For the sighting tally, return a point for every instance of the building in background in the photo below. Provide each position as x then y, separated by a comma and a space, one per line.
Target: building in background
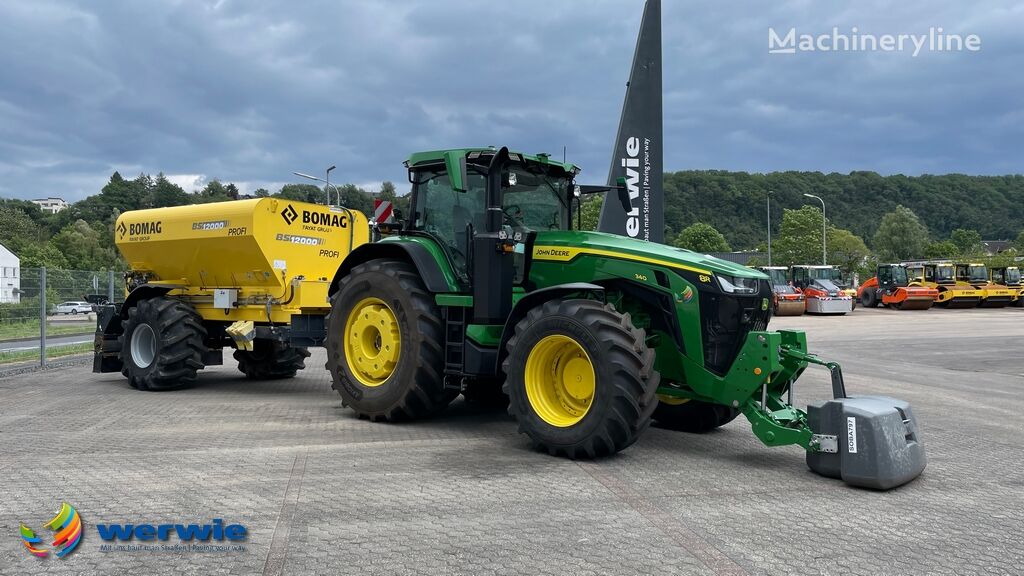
10, 277
995, 247
51, 205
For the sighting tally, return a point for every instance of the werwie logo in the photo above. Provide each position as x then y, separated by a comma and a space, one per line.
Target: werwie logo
68, 526
184, 532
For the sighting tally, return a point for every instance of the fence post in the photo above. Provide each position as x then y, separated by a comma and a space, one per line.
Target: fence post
42, 317
110, 286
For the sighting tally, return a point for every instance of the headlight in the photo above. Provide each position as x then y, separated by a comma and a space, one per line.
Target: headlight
734, 285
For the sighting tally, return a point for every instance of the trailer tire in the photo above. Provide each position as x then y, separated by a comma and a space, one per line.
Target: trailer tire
580, 379
693, 415
162, 344
869, 298
401, 374
270, 360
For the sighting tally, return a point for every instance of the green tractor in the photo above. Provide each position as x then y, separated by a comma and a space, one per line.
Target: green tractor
488, 287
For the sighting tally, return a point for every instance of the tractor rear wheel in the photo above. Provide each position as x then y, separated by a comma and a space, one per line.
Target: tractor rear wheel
692, 415
162, 344
270, 360
580, 379
385, 343
869, 298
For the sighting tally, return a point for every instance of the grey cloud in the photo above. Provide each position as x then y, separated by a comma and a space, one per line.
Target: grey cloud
250, 91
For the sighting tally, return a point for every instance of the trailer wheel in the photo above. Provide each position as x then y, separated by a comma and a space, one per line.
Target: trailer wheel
270, 360
695, 416
162, 344
869, 298
385, 343
580, 379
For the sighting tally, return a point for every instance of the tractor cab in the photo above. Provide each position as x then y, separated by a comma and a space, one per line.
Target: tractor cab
993, 294
974, 274
820, 292
891, 276
786, 300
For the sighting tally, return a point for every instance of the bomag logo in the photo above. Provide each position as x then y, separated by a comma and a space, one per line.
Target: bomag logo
289, 214
322, 219
141, 228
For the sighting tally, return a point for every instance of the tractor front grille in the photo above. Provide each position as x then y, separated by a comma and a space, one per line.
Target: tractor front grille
726, 319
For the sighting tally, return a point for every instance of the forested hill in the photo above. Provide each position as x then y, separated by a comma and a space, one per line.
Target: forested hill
734, 202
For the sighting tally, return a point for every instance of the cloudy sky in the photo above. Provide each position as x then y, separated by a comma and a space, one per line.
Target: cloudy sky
249, 91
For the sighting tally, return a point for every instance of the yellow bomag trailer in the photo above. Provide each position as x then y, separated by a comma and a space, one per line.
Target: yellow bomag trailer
992, 295
224, 274
941, 275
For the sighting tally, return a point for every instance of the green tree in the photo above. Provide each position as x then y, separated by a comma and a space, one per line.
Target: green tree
941, 249
261, 193
42, 255
847, 250
302, 193
165, 193
1020, 241
701, 237
900, 235
85, 248
799, 238
17, 229
591, 211
968, 242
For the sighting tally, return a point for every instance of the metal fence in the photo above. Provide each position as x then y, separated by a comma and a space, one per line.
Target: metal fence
48, 314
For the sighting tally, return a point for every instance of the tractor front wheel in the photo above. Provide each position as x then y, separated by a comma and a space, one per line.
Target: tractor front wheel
580, 379
692, 415
269, 360
162, 344
385, 343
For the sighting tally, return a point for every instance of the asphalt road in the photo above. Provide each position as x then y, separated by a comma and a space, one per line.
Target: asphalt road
33, 343
323, 492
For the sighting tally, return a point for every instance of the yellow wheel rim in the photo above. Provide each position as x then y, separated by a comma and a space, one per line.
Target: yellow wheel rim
373, 341
672, 400
560, 380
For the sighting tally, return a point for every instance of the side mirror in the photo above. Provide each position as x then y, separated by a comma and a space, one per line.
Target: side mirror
620, 185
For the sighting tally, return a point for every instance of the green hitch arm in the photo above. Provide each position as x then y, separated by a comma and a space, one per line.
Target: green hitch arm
838, 386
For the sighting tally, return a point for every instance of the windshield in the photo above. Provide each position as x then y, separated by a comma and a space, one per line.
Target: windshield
778, 277
827, 285
821, 273
944, 273
899, 275
977, 273
536, 200
1013, 275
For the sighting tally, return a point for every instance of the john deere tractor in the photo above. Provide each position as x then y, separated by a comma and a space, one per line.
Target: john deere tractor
488, 286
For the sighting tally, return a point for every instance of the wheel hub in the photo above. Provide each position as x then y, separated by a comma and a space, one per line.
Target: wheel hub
143, 345
560, 380
372, 341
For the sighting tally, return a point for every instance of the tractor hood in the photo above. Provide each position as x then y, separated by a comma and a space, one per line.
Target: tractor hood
571, 243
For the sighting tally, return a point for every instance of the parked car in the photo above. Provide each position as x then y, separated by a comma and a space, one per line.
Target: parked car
76, 307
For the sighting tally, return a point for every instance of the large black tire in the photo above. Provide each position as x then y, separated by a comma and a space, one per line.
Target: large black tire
625, 380
869, 298
162, 344
270, 360
693, 416
415, 386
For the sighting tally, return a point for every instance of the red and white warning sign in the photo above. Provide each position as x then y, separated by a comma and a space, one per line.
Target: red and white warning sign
382, 210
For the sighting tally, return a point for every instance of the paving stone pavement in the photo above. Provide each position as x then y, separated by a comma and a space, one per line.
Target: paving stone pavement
322, 492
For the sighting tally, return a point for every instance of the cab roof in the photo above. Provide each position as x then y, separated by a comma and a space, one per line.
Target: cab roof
435, 156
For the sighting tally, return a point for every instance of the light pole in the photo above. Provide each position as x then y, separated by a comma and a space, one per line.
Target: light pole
769, 227
328, 186
823, 262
